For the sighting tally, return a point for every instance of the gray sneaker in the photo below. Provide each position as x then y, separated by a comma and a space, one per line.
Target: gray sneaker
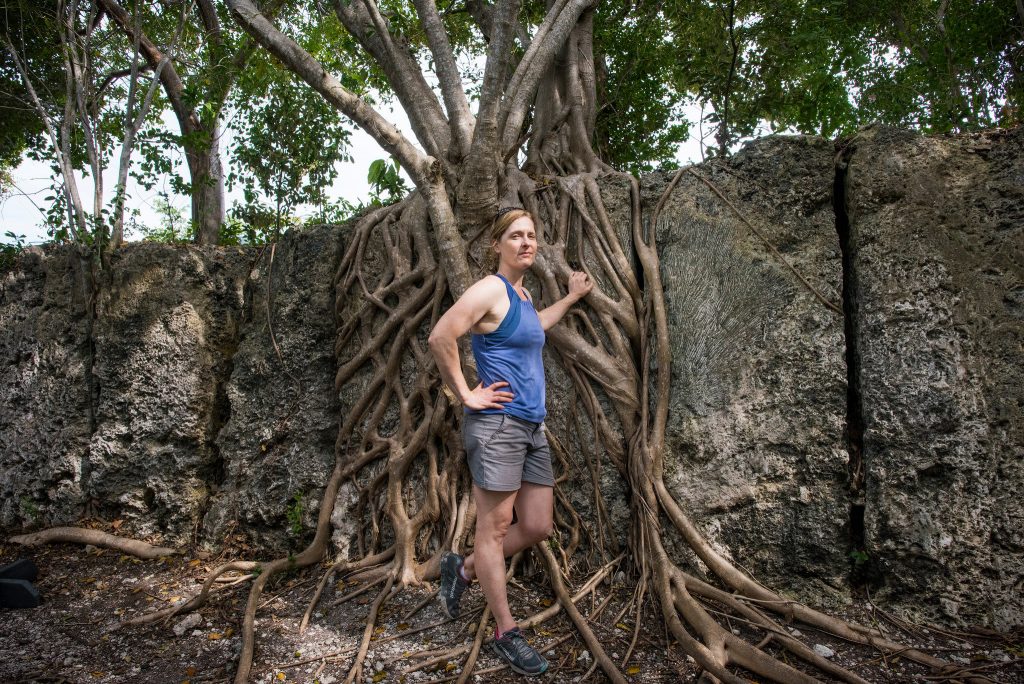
520, 656
452, 584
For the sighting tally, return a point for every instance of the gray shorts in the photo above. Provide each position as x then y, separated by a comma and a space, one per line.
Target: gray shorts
504, 451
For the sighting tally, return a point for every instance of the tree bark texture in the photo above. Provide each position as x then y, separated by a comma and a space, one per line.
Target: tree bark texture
208, 199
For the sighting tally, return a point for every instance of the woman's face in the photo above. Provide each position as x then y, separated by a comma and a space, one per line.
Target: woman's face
517, 246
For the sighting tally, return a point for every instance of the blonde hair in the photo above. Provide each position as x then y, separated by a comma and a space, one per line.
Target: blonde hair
505, 218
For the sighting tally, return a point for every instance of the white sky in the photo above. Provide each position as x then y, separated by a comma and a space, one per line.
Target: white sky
22, 211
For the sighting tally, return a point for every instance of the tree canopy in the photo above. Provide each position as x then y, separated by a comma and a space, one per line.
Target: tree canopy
748, 66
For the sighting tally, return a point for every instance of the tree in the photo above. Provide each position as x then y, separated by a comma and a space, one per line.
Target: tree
196, 90
827, 68
93, 108
286, 145
529, 142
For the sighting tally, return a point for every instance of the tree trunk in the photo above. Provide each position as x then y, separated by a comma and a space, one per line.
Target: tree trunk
207, 174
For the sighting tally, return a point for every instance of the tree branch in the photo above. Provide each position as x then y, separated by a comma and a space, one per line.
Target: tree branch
211, 23
114, 75
478, 191
447, 70
133, 124
304, 65
172, 84
78, 69
75, 211
429, 124
521, 89
503, 21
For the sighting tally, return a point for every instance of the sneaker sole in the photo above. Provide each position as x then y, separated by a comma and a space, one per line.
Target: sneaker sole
444, 606
440, 597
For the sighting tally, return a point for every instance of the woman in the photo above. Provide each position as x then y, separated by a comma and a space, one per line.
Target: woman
503, 426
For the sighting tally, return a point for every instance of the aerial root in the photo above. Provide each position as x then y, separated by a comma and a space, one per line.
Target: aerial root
358, 592
835, 308
773, 631
421, 605
341, 567
199, 600
474, 651
84, 535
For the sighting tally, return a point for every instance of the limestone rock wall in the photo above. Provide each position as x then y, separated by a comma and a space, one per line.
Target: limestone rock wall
757, 425
165, 327
276, 448
797, 434
937, 226
164, 404
45, 403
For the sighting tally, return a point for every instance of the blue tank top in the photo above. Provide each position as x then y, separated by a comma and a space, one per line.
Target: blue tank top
512, 353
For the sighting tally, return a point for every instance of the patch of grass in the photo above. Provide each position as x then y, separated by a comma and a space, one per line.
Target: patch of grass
294, 514
29, 509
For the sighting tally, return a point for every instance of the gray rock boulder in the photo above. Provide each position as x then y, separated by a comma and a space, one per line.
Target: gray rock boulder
757, 425
937, 228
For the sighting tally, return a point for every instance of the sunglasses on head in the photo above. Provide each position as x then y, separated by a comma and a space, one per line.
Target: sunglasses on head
505, 210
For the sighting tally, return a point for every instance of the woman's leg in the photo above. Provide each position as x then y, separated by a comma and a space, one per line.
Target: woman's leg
493, 519
534, 506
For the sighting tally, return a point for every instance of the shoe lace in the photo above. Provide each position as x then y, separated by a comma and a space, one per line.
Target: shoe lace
519, 644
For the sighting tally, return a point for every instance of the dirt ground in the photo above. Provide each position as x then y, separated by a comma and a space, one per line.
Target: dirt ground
74, 636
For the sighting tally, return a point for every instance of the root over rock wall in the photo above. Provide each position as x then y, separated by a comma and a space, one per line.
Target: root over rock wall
798, 434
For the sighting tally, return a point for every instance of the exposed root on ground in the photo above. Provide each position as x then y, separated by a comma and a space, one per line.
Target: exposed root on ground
84, 535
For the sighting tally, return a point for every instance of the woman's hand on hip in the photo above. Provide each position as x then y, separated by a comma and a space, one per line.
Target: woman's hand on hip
490, 397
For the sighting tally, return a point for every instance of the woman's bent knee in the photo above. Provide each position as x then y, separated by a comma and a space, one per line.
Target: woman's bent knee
538, 532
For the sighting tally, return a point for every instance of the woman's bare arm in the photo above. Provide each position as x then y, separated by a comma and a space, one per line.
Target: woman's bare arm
579, 286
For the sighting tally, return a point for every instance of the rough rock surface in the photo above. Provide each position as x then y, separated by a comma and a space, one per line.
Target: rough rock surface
165, 328
937, 228
277, 445
758, 400
45, 404
166, 405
